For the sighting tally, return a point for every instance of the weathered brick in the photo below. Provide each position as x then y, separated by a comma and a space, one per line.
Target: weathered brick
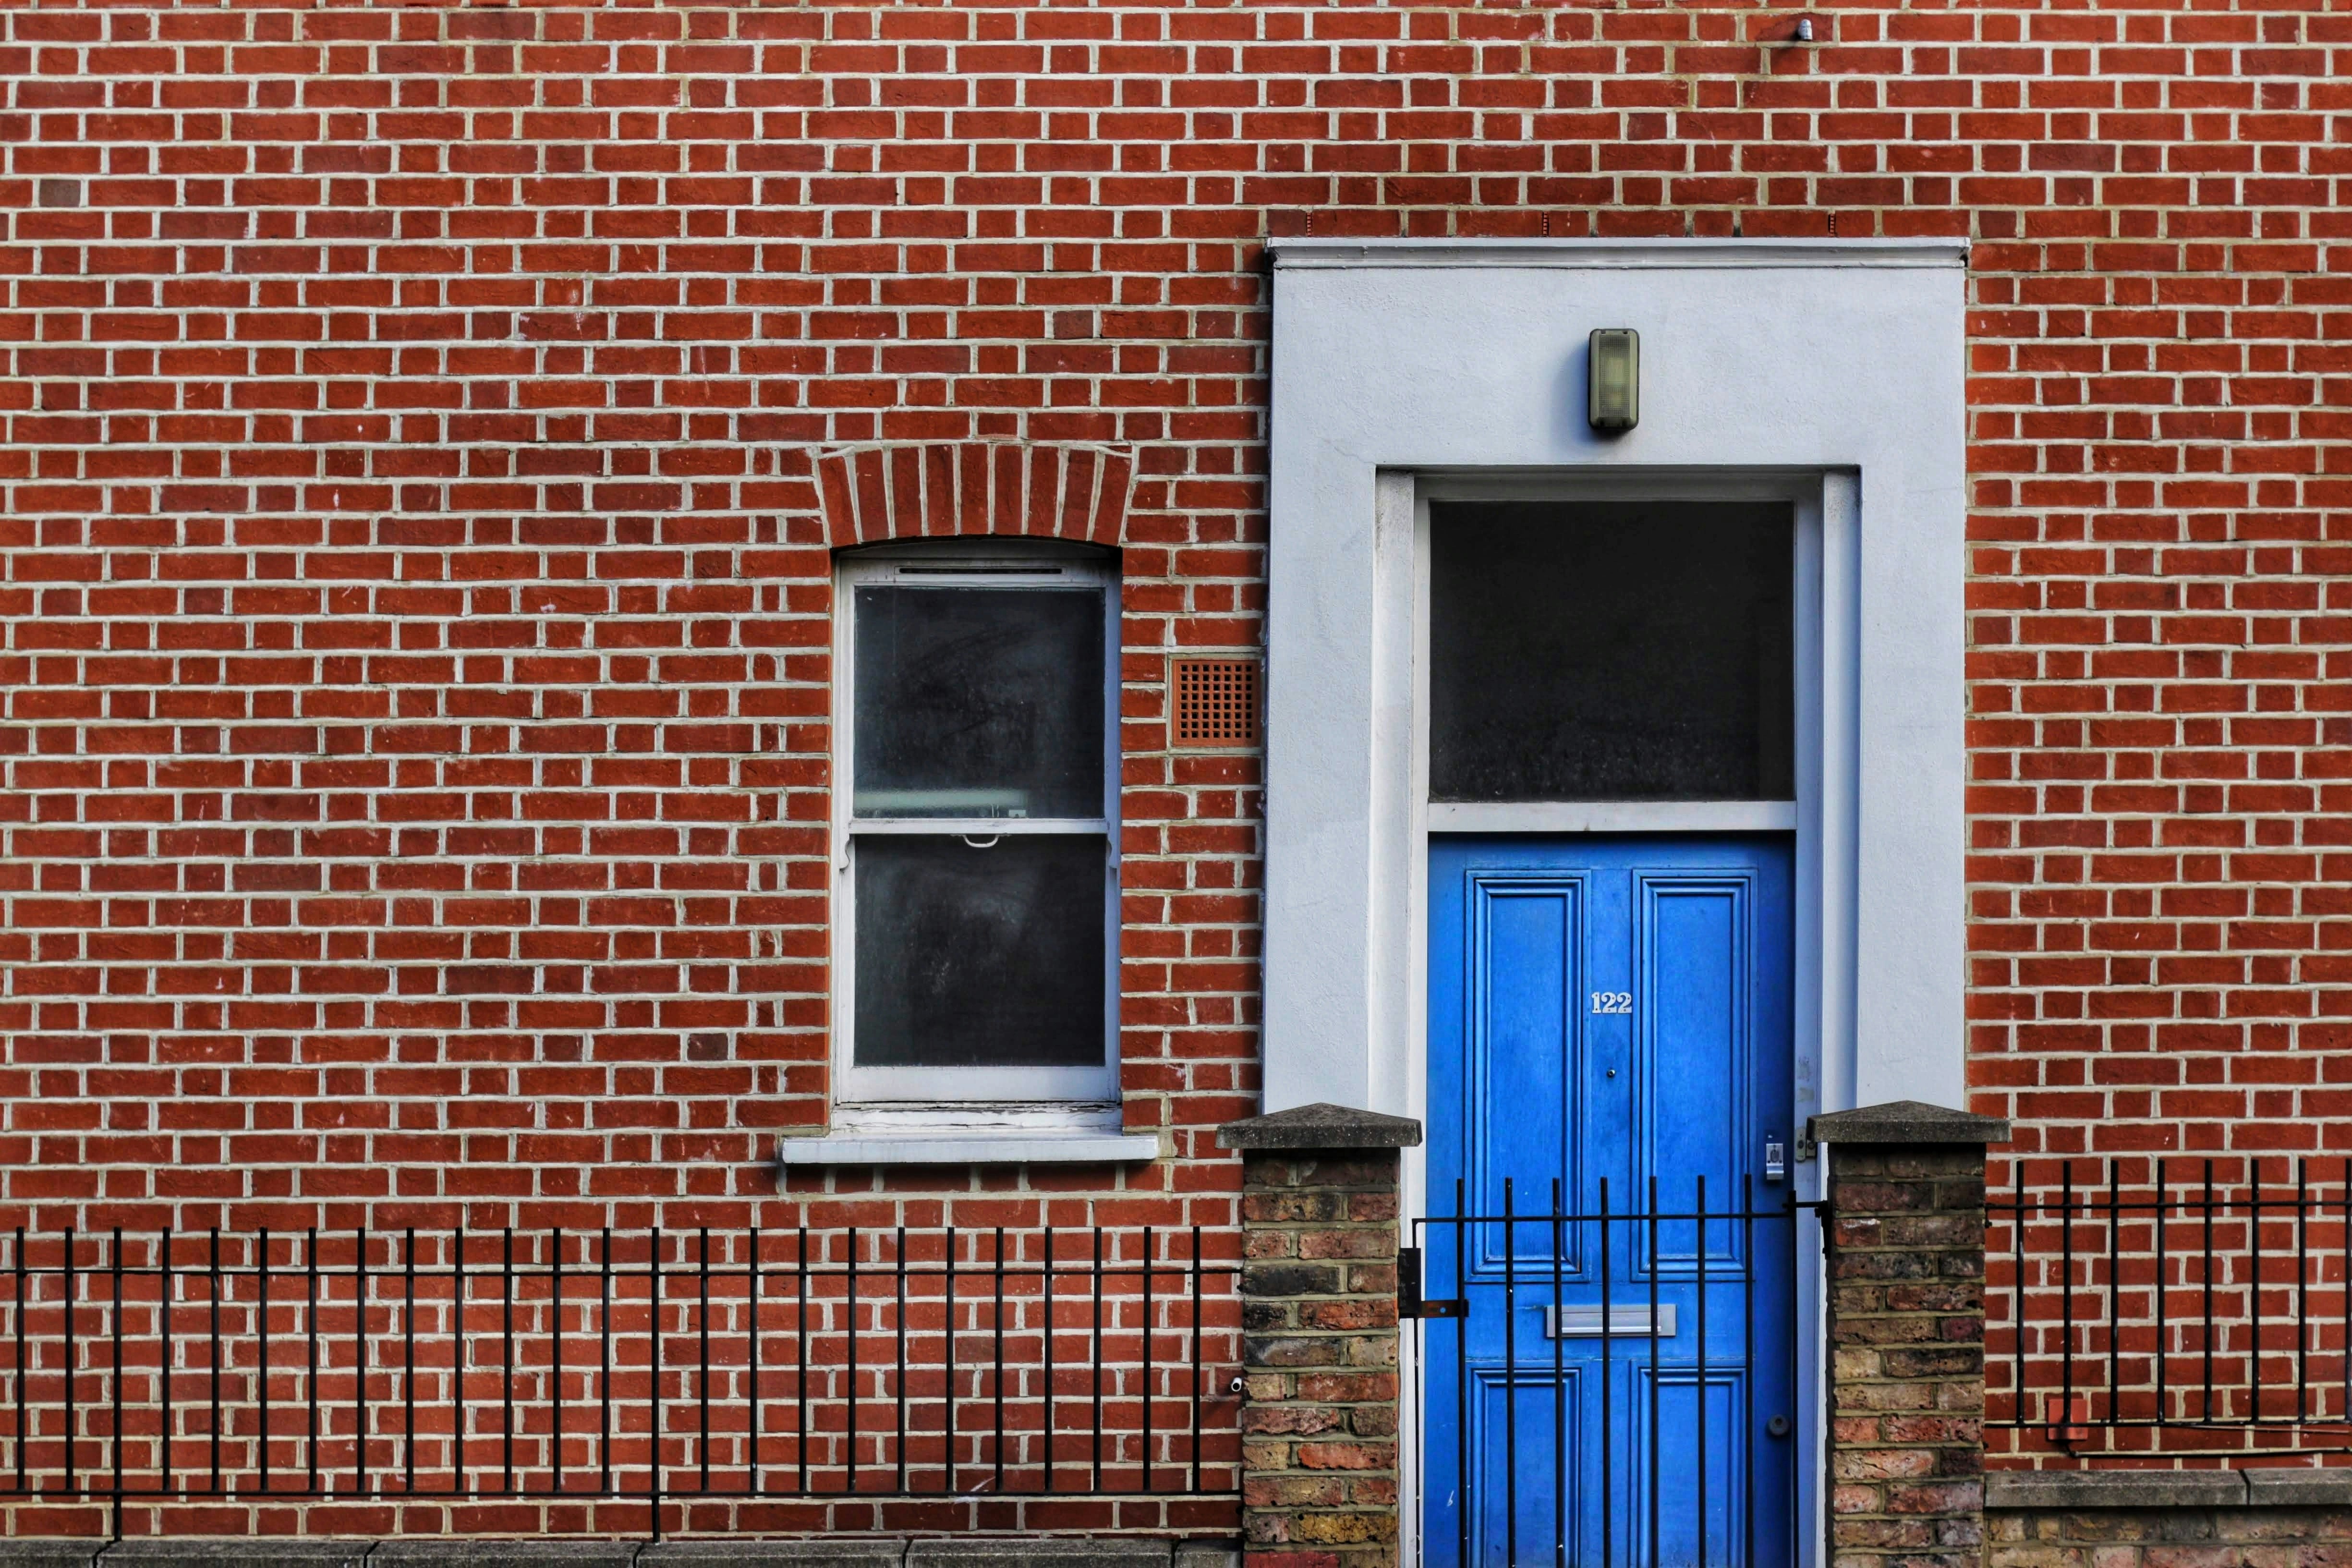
426, 427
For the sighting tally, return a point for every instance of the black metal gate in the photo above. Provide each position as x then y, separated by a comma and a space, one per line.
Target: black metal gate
1606, 1386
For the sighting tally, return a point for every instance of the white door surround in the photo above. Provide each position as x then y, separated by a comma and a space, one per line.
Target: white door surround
1831, 375
1829, 372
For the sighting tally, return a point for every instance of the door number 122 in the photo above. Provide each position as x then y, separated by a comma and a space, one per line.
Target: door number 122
1613, 1001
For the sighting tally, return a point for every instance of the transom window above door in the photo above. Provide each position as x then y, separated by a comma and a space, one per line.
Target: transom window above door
1612, 651
977, 856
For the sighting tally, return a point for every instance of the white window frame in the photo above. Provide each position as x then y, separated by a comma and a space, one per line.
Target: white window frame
912, 1099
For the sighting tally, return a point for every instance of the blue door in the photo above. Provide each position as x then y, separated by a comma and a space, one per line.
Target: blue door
1609, 1020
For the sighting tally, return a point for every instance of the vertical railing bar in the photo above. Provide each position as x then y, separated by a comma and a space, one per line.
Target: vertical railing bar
505, 1360
164, 1292
1654, 1267
852, 1477
555, 1361
898, 1308
2114, 1293
114, 1376
1095, 1347
310, 1322
2205, 1403
1147, 1358
2344, 1269
604, 1360
1192, 1483
213, 1357
2255, 1262
948, 1373
1747, 1358
755, 1284
1698, 1371
1608, 1400
996, 1317
2302, 1290
1095, 1288
17, 1377
408, 1359
1510, 1379
1790, 1210
261, 1292
2017, 1218
457, 1363
800, 1363
1049, 1360
1462, 1376
655, 1477
73, 1357
1559, 1379
2163, 1284
702, 1352
359, 1366
2066, 1293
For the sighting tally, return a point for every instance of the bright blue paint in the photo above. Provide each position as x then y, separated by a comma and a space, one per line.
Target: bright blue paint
1522, 933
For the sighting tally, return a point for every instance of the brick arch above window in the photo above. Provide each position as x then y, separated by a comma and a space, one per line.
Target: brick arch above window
951, 489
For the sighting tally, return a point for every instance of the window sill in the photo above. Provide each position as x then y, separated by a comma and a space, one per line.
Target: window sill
1005, 1148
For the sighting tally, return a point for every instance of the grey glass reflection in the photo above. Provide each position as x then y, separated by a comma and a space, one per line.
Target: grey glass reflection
978, 702
980, 957
1610, 652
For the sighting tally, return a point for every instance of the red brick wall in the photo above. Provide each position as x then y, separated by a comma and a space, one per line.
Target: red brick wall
414, 567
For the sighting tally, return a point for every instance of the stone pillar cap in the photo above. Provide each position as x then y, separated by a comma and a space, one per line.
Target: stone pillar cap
1321, 1126
1907, 1122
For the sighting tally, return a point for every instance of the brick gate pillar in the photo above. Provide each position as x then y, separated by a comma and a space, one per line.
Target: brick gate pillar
1320, 1335
1906, 1325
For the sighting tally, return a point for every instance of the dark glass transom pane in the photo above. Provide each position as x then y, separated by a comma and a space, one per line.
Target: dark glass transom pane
1610, 652
975, 957
978, 702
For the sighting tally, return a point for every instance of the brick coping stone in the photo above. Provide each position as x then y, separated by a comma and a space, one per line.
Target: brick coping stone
1321, 1126
1905, 1122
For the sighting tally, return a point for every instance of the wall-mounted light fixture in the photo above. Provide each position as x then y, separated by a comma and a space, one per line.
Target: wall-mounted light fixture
1613, 395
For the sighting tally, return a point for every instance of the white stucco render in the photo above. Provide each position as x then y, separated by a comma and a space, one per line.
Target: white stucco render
1829, 371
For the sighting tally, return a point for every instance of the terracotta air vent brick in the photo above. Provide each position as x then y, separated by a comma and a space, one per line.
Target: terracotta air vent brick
1212, 702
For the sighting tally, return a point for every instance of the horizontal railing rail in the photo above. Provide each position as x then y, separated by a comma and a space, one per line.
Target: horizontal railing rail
606, 1364
2200, 1307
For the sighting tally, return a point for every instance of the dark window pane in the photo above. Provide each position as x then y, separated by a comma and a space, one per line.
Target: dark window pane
1617, 652
978, 702
980, 957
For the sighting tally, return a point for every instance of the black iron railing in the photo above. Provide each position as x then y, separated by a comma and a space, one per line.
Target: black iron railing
655, 1366
2189, 1308
1668, 1300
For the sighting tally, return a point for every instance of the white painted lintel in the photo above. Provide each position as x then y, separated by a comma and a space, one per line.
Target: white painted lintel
1602, 254
1613, 816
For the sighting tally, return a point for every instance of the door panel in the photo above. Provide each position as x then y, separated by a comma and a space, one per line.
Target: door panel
1521, 1071
1609, 1019
1691, 998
